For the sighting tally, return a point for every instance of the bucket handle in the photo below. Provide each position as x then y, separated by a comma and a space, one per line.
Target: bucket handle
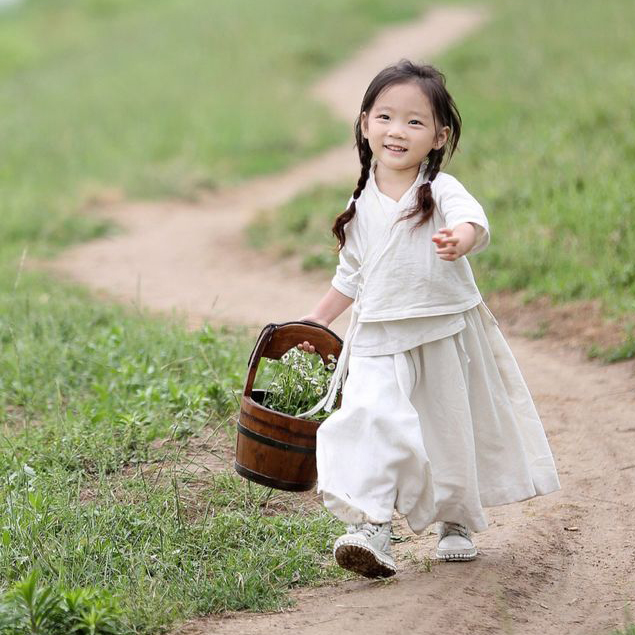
276, 339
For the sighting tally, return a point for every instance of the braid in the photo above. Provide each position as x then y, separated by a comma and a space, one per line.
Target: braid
424, 203
365, 156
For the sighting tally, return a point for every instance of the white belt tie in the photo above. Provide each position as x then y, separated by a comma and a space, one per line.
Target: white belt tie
328, 401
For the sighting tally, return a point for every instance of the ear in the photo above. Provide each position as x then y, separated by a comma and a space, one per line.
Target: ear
364, 124
442, 137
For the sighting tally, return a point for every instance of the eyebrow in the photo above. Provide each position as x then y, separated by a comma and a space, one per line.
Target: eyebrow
412, 112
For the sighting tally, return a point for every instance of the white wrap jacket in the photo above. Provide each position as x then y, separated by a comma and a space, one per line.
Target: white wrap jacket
394, 274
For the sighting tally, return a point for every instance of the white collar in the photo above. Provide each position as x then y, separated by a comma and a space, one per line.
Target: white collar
406, 195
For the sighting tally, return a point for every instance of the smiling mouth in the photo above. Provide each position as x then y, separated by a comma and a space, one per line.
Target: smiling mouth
395, 148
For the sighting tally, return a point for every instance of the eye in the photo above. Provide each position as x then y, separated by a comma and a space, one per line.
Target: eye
416, 121
382, 116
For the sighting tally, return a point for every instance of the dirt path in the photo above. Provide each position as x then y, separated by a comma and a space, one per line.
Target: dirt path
561, 563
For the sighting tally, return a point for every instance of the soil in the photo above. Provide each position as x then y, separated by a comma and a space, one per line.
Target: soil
553, 564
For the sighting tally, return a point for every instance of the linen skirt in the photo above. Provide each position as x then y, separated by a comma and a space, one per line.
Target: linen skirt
437, 433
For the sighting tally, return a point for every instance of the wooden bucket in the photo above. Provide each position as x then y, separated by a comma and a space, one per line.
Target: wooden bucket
272, 448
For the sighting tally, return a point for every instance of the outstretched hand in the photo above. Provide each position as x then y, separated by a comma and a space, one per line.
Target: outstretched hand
449, 246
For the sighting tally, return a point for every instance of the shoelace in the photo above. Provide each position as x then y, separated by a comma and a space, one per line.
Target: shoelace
456, 529
368, 529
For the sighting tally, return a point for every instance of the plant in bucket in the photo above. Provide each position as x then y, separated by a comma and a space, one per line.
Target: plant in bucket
274, 446
297, 382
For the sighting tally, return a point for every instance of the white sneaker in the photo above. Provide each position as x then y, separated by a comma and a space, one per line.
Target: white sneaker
455, 543
365, 549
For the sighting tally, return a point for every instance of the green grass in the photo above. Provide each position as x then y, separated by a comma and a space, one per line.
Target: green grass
629, 626
301, 226
548, 147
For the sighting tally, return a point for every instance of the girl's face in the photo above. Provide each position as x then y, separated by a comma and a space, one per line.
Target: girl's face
400, 128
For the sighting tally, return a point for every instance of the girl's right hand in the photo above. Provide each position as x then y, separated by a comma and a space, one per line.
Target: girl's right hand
307, 346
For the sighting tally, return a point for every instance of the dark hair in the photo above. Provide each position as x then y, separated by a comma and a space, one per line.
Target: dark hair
445, 113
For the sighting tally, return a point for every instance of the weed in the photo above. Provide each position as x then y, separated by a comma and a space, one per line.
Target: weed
611, 354
29, 608
423, 564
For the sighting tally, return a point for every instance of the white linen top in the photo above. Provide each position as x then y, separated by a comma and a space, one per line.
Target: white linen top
376, 213
405, 295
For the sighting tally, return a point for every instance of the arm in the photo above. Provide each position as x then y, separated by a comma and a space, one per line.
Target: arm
459, 208
329, 307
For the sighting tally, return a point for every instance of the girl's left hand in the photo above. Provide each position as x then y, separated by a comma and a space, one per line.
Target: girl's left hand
448, 245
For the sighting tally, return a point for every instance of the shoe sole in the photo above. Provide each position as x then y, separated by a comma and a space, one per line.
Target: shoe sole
456, 556
362, 560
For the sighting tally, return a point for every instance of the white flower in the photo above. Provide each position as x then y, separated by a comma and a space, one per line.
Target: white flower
331, 357
319, 390
331, 366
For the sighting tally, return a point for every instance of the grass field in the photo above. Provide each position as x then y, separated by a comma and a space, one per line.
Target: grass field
548, 147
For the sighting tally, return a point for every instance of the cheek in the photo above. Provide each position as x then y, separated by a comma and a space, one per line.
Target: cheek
376, 132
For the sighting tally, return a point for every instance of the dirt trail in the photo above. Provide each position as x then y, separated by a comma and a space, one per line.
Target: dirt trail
556, 564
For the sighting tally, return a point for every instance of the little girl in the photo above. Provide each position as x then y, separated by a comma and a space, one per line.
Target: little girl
436, 421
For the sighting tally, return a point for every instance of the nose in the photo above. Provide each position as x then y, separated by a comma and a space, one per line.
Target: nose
396, 130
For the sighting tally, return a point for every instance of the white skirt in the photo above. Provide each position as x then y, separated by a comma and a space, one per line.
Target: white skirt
437, 432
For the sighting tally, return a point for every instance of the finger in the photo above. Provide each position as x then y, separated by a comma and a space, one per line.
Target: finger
446, 230
447, 240
447, 250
